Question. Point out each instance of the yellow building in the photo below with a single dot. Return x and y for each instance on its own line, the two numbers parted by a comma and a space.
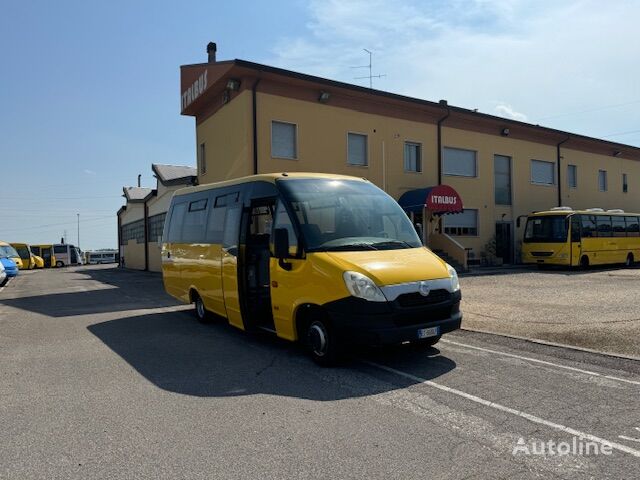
253, 118
139, 247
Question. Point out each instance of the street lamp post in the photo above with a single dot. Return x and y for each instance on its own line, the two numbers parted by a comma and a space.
78, 230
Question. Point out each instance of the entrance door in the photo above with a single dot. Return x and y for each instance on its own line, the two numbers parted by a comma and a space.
576, 240
230, 252
504, 243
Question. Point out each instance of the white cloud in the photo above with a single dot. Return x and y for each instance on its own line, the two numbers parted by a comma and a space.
546, 57
506, 110
89, 172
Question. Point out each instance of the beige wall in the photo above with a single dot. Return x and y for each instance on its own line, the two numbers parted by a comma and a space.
322, 147
227, 136
155, 261
134, 255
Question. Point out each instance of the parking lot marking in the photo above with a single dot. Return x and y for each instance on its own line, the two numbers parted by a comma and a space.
519, 413
543, 362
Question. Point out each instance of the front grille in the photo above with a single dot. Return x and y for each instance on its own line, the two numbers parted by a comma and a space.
415, 299
442, 313
541, 254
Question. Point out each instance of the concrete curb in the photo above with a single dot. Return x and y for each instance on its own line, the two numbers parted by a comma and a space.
554, 344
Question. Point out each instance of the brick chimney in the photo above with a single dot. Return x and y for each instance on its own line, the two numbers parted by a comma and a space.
211, 52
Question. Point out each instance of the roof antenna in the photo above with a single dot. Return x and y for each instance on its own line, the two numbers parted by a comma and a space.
370, 76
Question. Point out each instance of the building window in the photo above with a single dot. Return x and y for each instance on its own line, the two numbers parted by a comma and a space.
572, 176
502, 179
602, 180
357, 149
283, 140
459, 162
156, 225
543, 173
133, 231
412, 157
202, 159
462, 224
625, 185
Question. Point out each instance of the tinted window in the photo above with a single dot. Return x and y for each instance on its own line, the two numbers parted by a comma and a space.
633, 229
546, 229
198, 205
619, 227
215, 222
232, 229
589, 226
282, 220
60, 249
575, 228
604, 226
194, 223
178, 212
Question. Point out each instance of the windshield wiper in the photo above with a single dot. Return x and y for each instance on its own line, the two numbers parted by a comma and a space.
393, 242
347, 247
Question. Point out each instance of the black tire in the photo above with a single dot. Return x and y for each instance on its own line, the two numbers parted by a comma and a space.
202, 314
322, 343
629, 261
584, 262
426, 342
59, 264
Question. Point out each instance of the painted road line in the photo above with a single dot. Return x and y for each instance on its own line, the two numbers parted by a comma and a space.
542, 362
519, 413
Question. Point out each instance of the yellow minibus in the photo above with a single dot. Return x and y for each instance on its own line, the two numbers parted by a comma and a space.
23, 249
562, 236
327, 260
8, 251
46, 252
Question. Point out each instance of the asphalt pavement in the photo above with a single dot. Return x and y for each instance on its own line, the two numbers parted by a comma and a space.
103, 376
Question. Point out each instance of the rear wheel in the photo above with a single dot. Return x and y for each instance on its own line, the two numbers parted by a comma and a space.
59, 264
322, 343
629, 261
202, 314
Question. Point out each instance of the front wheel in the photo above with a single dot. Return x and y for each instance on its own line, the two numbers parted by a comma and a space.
323, 344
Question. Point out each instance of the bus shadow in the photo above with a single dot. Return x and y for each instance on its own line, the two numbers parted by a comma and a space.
177, 354
575, 271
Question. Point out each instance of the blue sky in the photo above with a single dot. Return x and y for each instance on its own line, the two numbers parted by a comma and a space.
89, 91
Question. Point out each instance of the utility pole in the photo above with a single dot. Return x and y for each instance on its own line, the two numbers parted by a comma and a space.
78, 230
371, 76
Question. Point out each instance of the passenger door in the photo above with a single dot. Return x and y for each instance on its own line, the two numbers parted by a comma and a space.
230, 252
576, 240
171, 252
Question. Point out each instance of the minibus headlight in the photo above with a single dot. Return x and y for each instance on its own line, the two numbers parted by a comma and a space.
455, 283
361, 286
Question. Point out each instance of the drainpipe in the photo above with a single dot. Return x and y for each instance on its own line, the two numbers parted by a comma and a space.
255, 125
146, 236
440, 122
558, 157
119, 240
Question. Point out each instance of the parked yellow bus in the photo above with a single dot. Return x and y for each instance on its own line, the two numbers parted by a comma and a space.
594, 236
327, 260
46, 253
23, 249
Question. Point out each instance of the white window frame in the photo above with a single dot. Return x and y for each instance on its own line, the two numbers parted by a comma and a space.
295, 140
366, 153
475, 157
420, 159
543, 184
575, 168
606, 181
444, 225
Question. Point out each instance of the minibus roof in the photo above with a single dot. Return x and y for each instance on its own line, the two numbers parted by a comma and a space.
587, 212
266, 177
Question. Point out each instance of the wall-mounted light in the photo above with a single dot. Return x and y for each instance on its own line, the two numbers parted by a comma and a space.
233, 84
617, 153
324, 97
505, 132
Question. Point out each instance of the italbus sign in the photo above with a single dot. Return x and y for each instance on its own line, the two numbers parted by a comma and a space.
444, 199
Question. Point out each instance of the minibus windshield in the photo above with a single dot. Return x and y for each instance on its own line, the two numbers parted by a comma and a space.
348, 215
552, 228
7, 251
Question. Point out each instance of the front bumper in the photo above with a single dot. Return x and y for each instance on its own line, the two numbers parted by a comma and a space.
385, 323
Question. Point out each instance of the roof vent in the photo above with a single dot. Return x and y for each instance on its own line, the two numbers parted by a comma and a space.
443, 103
615, 210
594, 210
561, 209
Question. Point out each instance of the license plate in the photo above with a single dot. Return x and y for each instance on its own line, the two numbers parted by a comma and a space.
428, 332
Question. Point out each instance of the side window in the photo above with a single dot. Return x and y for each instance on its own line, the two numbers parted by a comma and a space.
59, 249
604, 226
282, 220
232, 228
261, 220
215, 222
194, 222
589, 226
633, 229
619, 227
174, 233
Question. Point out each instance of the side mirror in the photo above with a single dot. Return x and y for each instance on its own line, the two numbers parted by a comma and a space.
281, 247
